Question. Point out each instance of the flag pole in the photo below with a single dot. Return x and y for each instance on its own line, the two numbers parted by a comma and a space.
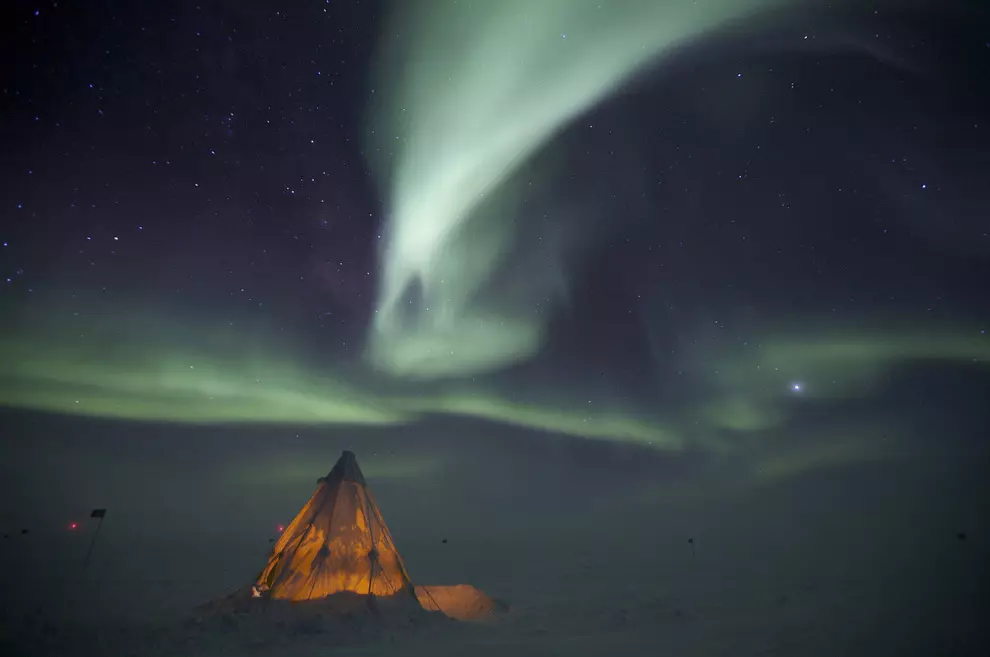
99, 513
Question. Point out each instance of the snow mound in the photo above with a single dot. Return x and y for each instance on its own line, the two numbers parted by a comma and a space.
343, 619
461, 602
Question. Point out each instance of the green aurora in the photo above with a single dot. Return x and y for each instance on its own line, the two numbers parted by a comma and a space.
467, 93
193, 374
754, 386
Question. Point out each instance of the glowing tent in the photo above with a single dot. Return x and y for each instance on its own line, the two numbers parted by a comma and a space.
337, 543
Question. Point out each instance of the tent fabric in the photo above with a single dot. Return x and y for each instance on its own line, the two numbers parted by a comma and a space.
338, 542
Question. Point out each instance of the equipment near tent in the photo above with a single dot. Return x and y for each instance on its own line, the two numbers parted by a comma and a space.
337, 543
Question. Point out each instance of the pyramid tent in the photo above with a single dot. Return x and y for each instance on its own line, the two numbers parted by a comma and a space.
338, 542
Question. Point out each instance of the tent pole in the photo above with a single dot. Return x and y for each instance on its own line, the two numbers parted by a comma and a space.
92, 543
371, 535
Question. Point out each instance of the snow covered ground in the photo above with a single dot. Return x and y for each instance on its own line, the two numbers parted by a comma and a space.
590, 552
625, 599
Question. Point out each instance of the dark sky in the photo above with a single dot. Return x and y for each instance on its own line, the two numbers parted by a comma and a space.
771, 262
241, 127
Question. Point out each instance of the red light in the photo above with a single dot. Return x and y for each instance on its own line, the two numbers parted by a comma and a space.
281, 528
73, 525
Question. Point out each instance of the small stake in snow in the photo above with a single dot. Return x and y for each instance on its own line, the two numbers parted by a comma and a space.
691, 541
96, 513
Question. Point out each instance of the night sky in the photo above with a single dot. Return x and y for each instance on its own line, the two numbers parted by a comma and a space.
238, 237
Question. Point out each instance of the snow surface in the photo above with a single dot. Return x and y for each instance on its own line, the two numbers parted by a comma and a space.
859, 560
621, 600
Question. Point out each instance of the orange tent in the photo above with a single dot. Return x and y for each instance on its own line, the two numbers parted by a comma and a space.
338, 542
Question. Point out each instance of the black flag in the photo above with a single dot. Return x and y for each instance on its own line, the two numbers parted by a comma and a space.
95, 513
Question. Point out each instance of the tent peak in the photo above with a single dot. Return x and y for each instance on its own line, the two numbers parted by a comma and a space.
347, 469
